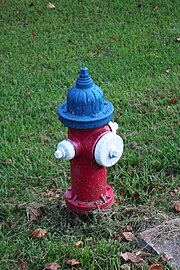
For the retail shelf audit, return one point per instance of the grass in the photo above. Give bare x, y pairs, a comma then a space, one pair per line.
132, 54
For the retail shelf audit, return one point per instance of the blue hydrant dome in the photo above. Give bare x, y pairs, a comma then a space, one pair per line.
85, 106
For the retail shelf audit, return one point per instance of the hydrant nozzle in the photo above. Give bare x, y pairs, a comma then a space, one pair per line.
91, 146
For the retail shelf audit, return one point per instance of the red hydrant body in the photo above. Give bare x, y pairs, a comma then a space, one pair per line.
89, 189
91, 146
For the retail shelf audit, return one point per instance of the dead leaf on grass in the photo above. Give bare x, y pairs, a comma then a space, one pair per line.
52, 266
50, 5
137, 260
177, 206
174, 100
129, 228
9, 161
114, 38
141, 253
156, 266
129, 236
53, 193
28, 93
94, 53
22, 265
125, 267
72, 262
178, 39
12, 189
10, 224
34, 211
175, 192
38, 233
78, 243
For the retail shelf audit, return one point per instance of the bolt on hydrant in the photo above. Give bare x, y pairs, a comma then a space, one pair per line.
91, 146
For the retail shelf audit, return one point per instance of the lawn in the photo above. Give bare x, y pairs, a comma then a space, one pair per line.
131, 50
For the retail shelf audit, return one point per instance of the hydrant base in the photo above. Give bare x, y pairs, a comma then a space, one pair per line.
82, 207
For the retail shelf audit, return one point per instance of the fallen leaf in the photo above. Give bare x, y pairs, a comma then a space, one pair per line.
28, 93
129, 228
173, 100
72, 262
50, 5
9, 161
38, 233
117, 235
125, 267
136, 195
177, 206
53, 193
114, 38
78, 243
22, 265
94, 53
129, 236
34, 211
178, 39
33, 34
175, 192
156, 266
166, 257
137, 260
12, 188
10, 224
52, 266
141, 253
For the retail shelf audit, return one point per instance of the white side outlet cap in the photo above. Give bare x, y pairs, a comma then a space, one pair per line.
108, 149
113, 126
65, 150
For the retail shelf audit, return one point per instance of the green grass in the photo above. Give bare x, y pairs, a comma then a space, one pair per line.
131, 51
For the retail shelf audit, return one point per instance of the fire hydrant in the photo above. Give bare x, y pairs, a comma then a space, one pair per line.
91, 146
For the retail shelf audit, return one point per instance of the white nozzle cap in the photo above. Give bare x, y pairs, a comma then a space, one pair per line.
65, 150
108, 149
58, 153
113, 126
